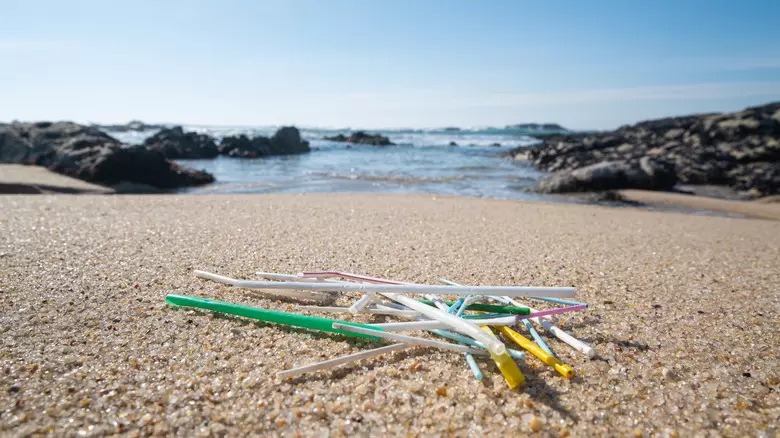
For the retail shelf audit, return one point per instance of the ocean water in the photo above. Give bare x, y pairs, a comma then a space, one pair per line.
422, 162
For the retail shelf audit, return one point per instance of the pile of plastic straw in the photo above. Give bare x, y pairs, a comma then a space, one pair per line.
467, 326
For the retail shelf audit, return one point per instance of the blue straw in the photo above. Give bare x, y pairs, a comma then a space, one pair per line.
473, 365
537, 338
559, 301
463, 306
455, 305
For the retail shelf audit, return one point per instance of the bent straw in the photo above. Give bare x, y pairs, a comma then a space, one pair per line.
562, 335
327, 364
408, 339
291, 319
565, 370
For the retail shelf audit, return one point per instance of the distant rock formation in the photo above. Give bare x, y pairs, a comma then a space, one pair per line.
361, 137
537, 127
740, 150
285, 141
174, 143
89, 154
451, 128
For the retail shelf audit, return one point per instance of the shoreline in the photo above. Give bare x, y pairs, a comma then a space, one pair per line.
23, 179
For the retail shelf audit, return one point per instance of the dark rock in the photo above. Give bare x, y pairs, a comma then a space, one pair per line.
286, 140
89, 154
739, 149
452, 128
496, 145
452, 143
611, 175
361, 137
174, 143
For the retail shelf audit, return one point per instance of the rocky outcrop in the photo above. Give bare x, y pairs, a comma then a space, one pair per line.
174, 143
89, 154
648, 174
285, 141
740, 150
361, 137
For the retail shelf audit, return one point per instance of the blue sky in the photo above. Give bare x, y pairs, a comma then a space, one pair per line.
382, 63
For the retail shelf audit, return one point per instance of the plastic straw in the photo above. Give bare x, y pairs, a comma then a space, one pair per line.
377, 310
433, 324
506, 365
560, 301
408, 339
534, 334
328, 364
562, 335
515, 310
474, 367
291, 319
565, 370
361, 303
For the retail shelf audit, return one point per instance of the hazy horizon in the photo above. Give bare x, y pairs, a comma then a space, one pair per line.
384, 65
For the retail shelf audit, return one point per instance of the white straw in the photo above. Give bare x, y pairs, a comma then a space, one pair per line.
331, 363
375, 310
434, 325
288, 277
409, 339
456, 323
515, 291
361, 303
575, 343
287, 293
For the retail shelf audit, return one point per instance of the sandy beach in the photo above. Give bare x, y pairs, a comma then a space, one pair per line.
684, 317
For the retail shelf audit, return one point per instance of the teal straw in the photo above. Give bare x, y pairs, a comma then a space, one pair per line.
474, 367
559, 301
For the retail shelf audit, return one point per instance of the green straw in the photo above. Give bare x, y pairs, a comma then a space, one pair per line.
291, 319
489, 308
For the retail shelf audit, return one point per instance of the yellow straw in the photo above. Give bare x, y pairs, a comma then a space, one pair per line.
506, 365
522, 341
